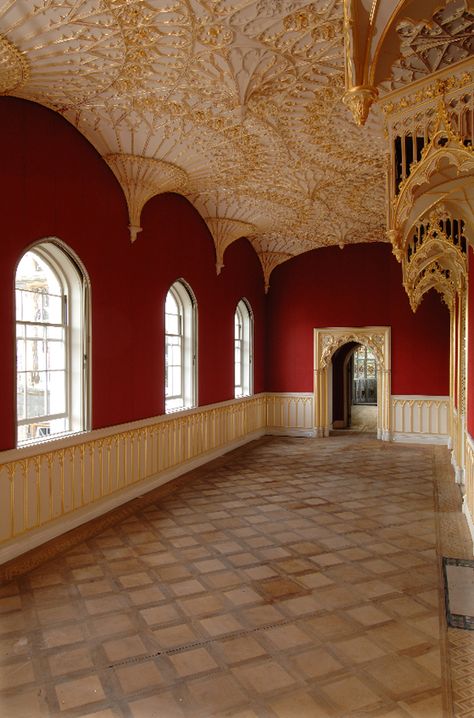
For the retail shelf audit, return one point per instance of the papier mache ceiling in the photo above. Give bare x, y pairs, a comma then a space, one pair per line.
235, 104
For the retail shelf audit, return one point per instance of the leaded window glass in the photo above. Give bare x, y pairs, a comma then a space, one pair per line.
364, 376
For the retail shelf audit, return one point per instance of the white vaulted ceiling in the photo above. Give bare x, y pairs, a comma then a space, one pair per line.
236, 104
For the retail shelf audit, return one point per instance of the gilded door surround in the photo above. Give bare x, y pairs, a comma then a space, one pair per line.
326, 341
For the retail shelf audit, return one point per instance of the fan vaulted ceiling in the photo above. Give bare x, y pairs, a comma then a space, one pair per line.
236, 104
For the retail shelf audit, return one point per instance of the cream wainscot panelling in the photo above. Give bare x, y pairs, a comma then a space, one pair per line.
420, 418
468, 500
290, 414
47, 489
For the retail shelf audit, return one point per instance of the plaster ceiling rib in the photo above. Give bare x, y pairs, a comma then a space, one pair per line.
142, 178
226, 230
234, 104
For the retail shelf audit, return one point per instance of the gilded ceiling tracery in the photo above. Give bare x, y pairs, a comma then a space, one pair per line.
236, 104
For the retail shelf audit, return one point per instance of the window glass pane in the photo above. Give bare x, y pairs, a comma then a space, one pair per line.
42, 358
20, 354
35, 393
175, 355
35, 355
172, 324
34, 273
55, 333
179, 349
56, 355
51, 310
171, 305
20, 396
174, 381
56, 392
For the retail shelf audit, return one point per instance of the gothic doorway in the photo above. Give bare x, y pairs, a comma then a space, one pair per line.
354, 388
351, 363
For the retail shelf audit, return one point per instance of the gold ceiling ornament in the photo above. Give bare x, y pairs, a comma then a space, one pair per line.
436, 258
141, 179
359, 26
14, 67
226, 230
359, 100
429, 46
74, 48
270, 260
219, 90
217, 35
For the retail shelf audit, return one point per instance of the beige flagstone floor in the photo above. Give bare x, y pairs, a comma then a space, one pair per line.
292, 578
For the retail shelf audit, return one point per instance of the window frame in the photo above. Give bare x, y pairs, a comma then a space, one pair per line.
75, 321
243, 312
184, 297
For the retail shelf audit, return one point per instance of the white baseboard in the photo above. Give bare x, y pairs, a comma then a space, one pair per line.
282, 431
414, 438
470, 522
36, 537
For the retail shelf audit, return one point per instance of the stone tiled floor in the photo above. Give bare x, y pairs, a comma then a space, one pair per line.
364, 418
293, 578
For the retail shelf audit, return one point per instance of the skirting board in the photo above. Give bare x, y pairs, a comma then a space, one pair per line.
413, 438
282, 431
22, 544
470, 522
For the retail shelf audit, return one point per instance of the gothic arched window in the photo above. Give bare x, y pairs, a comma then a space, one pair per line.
180, 348
51, 299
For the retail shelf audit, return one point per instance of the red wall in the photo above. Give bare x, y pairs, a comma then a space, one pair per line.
54, 184
470, 346
360, 285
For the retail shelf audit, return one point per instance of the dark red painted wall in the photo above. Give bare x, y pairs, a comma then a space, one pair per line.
54, 184
360, 285
470, 346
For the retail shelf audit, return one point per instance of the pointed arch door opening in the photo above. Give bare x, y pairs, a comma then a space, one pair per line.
351, 369
354, 388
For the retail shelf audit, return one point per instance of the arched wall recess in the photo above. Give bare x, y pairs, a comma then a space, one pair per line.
326, 342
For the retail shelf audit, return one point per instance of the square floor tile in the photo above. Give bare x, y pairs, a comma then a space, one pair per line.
138, 677
73, 694
193, 662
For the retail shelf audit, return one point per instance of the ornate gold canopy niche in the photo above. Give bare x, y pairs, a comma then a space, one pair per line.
326, 342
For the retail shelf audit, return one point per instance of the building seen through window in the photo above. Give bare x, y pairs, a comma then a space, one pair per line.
243, 341
180, 348
50, 346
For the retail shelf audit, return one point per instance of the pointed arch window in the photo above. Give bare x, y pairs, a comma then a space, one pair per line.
52, 311
243, 349
180, 347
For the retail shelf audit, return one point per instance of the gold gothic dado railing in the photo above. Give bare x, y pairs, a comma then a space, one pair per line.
420, 415
468, 503
290, 413
60, 480
46, 482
